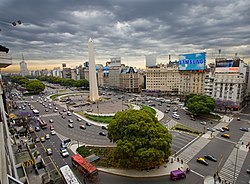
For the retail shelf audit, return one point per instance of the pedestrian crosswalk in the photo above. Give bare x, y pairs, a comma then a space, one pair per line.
193, 149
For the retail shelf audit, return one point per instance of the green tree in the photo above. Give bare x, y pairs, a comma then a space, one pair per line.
200, 104
35, 86
141, 140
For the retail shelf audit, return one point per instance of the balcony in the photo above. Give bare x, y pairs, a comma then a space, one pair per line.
5, 60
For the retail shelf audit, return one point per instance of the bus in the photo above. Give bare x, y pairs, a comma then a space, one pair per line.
68, 176
87, 169
35, 112
42, 123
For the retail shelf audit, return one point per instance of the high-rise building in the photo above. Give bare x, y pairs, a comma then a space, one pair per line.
130, 80
23, 68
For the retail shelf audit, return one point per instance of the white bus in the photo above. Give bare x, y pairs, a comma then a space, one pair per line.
35, 112
68, 176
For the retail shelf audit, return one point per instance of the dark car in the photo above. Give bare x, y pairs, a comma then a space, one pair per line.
63, 117
248, 171
104, 128
244, 129
210, 157
102, 133
202, 161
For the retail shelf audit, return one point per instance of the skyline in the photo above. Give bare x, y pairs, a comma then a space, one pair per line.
57, 32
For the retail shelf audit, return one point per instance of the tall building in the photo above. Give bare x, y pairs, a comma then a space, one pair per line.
23, 68
163, 78
93, 88
66, 73
130, 80
115, 67
230, 82
8, 170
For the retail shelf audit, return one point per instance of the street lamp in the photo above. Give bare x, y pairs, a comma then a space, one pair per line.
237, 151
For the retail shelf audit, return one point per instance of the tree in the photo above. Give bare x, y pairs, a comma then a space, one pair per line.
200, 104
142, 142
35, 86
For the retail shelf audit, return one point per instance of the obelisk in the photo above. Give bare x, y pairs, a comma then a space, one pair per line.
93, 89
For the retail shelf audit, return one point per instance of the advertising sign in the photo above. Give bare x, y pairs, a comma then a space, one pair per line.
227, 65
196, 61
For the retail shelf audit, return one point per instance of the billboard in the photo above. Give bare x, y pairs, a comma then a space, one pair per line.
227, 65
196, 61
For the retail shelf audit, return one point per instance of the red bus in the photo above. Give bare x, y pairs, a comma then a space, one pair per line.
42, 123
86, 168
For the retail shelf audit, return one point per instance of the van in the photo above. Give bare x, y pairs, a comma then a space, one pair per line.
177, 174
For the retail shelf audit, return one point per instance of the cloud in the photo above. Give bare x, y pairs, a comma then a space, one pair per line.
54, 30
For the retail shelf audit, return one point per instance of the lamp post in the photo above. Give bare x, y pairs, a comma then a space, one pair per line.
236, 158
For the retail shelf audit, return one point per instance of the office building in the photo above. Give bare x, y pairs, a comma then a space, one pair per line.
23, 68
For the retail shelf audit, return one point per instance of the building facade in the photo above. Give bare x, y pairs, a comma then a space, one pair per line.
23, 68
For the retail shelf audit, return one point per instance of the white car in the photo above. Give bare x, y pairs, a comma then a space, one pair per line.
53, 132
176, 116
203, 122
64, 152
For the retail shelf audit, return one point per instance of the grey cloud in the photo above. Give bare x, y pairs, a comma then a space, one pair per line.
60, 29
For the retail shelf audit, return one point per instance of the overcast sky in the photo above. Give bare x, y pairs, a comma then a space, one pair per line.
57, 31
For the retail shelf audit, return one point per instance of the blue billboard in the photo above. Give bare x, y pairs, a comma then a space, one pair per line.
196, 61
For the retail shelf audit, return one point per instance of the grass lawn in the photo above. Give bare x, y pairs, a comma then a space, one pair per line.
53, 97
100, 119
102, 152
149, 109
184, 128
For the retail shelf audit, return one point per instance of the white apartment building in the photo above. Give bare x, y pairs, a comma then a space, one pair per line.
165, 79
230, 82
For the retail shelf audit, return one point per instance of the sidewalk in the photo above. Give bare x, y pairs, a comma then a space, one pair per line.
163, 170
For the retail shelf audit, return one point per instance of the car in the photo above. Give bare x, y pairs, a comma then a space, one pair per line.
61, 113
52, 132
70, 125
37, 128
82, 127
225, 128
49, 151
168, 105
89, 110
248, 171
42, 139
79, 119
63, 117
50, 107
88, 124
64, 110
238, 119
225, 136
70, 121
203, 122
102, 133
51, 121
31, 130
54, 104
176, 116
193, 119
37, 140
46, 110
69, 113
244, 129
52, 127
104, 128
210, 129
64, 152
56, 108
220, 129
47, 136
202, 161
210, 157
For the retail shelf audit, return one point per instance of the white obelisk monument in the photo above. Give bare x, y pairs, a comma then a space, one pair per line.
93, 89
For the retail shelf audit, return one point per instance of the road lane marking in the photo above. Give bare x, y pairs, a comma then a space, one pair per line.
197, 173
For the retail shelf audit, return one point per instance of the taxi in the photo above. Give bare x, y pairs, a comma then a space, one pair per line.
49, 151
225, 136
202, 161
